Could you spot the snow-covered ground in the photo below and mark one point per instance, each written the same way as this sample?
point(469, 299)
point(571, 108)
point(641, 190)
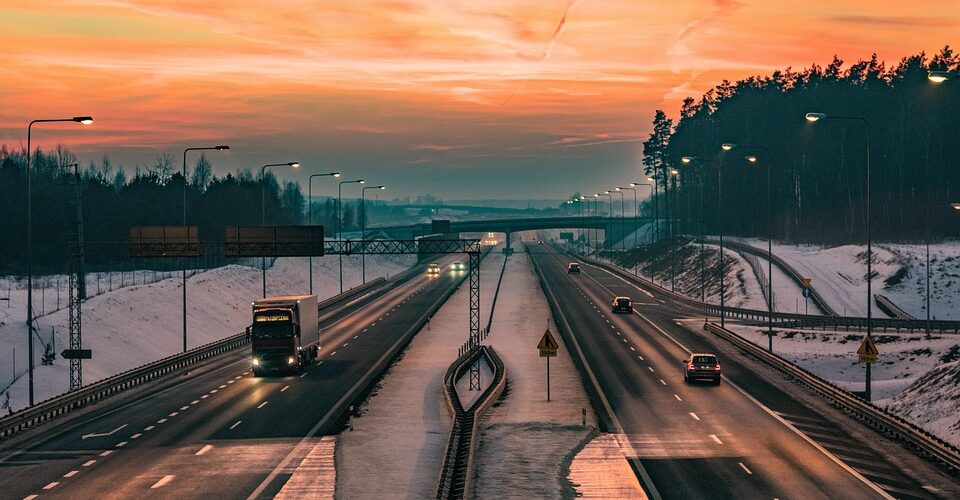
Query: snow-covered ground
point(915, 377)
point(138, 324)
point(401, 436)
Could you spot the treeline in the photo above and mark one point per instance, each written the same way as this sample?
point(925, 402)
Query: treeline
point(112, 203)
point(817, 170)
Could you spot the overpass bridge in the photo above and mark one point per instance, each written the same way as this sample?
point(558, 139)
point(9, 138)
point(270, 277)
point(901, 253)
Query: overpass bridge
point(614, 229)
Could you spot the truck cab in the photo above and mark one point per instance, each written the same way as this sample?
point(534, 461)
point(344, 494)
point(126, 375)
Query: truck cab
point(284, 336)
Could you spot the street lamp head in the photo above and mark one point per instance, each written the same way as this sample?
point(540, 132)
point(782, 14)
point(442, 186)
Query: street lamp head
point(685, 159)
point(362, 181)
point(583, 198)
point(941, 76)
point(727, 146)
point(221, 148)
point(813, 117)
point(674, 171)
point(86, 120)
point(956, 206)
point(618, 188)
point(381, 188)
point(335, 174)
point(294, 164)
point(596, 195)
point(751, 158)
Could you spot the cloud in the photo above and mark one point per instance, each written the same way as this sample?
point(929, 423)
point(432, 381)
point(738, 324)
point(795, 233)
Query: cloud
point(896, 21)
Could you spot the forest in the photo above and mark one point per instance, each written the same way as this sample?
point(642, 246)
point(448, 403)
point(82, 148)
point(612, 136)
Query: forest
point(906, 125)
point(112, 203)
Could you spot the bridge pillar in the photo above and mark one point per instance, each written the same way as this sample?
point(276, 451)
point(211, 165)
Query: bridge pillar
point(507, 248)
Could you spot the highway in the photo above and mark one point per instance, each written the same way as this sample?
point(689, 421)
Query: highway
point(217, 431)
point(741, 439)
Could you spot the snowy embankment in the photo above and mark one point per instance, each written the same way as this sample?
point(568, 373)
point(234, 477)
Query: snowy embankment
point(395, 448)
point(131, 326)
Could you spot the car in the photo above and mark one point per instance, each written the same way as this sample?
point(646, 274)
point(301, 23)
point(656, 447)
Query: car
point(456, 266)
point(702, 366)
point(622, 304)
point(573, 268)
point(433, 269)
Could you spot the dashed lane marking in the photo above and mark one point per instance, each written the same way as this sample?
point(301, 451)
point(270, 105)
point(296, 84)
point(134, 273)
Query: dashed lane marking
point(182, 408)
point(195, 401)
point(106, 453)
point(162, 420)
point(231, 381)
point(285, 388)
point(237, 377)
point(662, 382)
point(205, 396)
point(632, 349)
point(745, 469)
point(345, 344)
point(262, 405)
point(30, 497)
point(715, 439)
point(136, 436)
point(51, 485)
point(203, 450)
point(304, 374)
point(650, 368)
point(88, 463)
point(121, 444)
point(71, 473)
point(678, 397)
point(333, 353)
point(149, 428)
point(163, 481)
point(174, 414)
point(222, 386)
point(214, 391)
point(695, 417)
point(234, 426)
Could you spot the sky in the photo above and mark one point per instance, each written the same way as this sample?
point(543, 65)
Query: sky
point(526, 99)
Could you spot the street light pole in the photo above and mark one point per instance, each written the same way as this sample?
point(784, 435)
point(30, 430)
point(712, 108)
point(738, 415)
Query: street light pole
point(363, 228)
point(84, 120)
point(184, 222)
point(814, 117)
point(609, 215)
point(263, 211)
point(623, 226)
point(310, 215)
point(719, 164)
point(340, 220)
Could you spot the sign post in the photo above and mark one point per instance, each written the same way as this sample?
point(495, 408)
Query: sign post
point(548, 349)
point(868, 353)
point(806, 294)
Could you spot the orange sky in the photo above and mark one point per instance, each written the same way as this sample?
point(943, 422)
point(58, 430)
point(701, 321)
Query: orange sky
point(401, 91)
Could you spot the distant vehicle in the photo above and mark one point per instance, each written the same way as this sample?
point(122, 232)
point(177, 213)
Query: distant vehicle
point(285, 334)
point(456, 266)
point(622, 304)
point(540, 242)
point(701, 366)
point(573, 268)
point(433, 269)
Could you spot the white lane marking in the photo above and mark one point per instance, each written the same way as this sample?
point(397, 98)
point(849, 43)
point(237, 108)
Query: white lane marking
point(745, 469)
point(222, 386)
point(678, 323)
point(231, 381)
point(174, 414)
point(715, 438)
point(71, 473)
point(88, 463)
point(607, 320)
point(237, 377)
point(650, 368)
point(632, 349)
point(164, 480)
point(262, 405)
point(624, 340)
point(214, 391)
point(106, 453)
point(101, 434)
point(234, 426)
point(30, 497)
point(364, 330)
point(678, 397)
point(355, 337)
point(195, 401)
point(203, 450)
point(662, 382)
point(51, 485)
point(182, 408)
point(345, 344)
point(135, 436)
point(121, 444)
point(333, 353)
point(304, 374)
point(244, 373)
point(641, 357)
point(695, 417)
point(285, 388)
point(149, 428)
point(205, 396)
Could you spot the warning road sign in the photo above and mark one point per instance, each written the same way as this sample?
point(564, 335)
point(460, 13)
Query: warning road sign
point(806, 282)
point(548, 345)
point(868, 350)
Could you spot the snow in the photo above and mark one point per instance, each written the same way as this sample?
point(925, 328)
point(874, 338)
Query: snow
point(909, 366)
point(600, 471)
point(402, 433)
point(134, 325)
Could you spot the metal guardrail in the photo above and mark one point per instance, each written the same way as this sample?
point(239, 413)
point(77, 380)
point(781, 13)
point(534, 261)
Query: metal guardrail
point(784, 320)
point(457, 471)
point(65, 403)
point(351, 293)
point(783, 265)
point(886, 305)
point(879, 419)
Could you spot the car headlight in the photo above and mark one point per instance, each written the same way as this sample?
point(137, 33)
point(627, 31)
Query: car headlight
point(256, 362)
point(290, 360)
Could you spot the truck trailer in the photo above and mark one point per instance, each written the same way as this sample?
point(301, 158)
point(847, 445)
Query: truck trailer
point(285, 334)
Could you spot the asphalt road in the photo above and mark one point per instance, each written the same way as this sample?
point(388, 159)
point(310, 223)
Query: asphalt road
point(218, 432)
point(746, 438)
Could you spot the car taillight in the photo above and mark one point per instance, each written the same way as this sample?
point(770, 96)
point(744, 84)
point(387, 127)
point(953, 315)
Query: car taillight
point(690, 366)
point(717, 367)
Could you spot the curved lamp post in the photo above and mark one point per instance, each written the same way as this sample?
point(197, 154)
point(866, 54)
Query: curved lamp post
point(84, 120)
point(263, 211)
point(363, 228)
point(719, 164)
point(340, 220)
point(310, 214)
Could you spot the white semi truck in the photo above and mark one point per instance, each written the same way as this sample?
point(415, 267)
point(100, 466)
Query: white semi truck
point(285, 334)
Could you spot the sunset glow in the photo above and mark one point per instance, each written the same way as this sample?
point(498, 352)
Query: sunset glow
point(385, 87)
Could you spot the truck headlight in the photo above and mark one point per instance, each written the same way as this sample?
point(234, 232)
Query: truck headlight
point(290, 360)
point(256, 362)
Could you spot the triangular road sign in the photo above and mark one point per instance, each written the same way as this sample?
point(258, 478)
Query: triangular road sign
point(547, 341)
point(868, 347)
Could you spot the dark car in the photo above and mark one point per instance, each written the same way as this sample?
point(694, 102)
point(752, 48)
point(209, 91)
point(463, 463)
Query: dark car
point(573, 268)
point(701, 366)
point(622, 305)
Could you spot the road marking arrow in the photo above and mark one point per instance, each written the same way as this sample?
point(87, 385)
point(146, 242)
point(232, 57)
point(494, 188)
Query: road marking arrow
point(101, 434)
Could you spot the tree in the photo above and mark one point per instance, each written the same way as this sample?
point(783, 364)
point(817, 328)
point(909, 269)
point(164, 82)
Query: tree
point(202, 174)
